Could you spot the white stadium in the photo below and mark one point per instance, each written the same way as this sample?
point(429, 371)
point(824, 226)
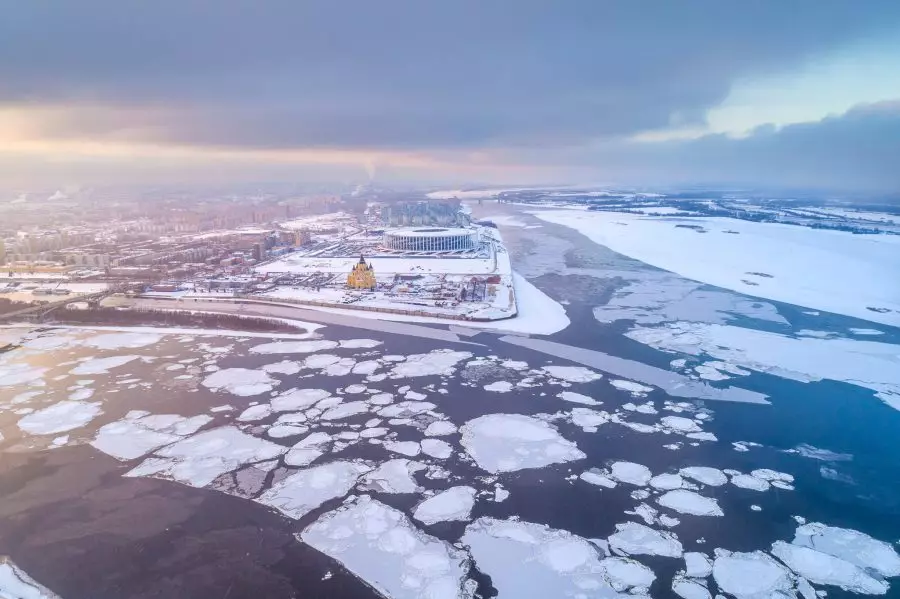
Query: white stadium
point(430, 239)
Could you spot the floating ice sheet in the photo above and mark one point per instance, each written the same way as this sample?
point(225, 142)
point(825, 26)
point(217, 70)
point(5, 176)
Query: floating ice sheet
point(509, 442)
point(300, 493)
point(198, 460)
point(383, 548)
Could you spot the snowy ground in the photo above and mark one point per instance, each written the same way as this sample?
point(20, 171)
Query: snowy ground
point(827, 270)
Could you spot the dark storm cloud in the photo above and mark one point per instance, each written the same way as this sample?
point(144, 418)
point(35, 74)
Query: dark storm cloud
point(858, 150)
point(402, 74)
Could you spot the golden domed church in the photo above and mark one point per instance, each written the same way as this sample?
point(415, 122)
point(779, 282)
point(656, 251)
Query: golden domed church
point(362, 276)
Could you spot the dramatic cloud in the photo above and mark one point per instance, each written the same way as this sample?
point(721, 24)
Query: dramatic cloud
point(401, 76)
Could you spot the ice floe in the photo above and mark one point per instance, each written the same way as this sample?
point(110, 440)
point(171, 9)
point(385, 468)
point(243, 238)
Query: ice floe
point(240, 381)
point(382, 547)
point(200, 459)
point(253, 413)
point(454, 503)
point(101, 365)
point(440, 362)
point(393, 476)
point(298, 399)
point(509, 442)
point(689, 502)
point(631, 473)
point(525, 559)
point(135, 436)
point(573, 397)
point(60, 417)
point(689, 589)
point(697, 565)
point(345, 410)
point(304, 491)
point(667, 482)
point(573, 374)
point(129, 340)
point(440, 428)
point(596, 477)
point(293, 347)
point(632, 538)
point(753, 575)
point(283, 367)
point(436, 448)
point(822, 568)
point(499, 387)
point(359, 343)
point(746, 481)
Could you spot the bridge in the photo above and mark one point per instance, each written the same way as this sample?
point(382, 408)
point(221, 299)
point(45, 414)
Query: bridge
point(39, 311)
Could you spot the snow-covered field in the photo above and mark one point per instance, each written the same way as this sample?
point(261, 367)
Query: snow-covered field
point(827, 270)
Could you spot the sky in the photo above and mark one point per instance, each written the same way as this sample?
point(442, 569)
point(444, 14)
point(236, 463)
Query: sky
point(798, 93)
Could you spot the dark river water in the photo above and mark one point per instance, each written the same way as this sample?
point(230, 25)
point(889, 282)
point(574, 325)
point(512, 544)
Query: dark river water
point(71, 520)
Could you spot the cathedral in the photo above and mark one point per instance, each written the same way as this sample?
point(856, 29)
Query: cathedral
point(362, 276)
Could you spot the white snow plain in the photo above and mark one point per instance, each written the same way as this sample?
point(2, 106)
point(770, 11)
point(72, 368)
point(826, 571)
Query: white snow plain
point(510, 442)
point(382, 547)
point(827, 270)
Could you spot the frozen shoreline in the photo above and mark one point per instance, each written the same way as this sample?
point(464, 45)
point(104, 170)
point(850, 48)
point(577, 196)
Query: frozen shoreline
point(833, 271)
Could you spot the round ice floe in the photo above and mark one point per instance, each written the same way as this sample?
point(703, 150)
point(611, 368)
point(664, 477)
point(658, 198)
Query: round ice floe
point(667, 482)
point(437, 448)
point(680, 424)
point(745, 481)
point(509, 442)
point(573, 397)
point(772, 475)
point(440, 428)
point(499, 387)
point(631, 473)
